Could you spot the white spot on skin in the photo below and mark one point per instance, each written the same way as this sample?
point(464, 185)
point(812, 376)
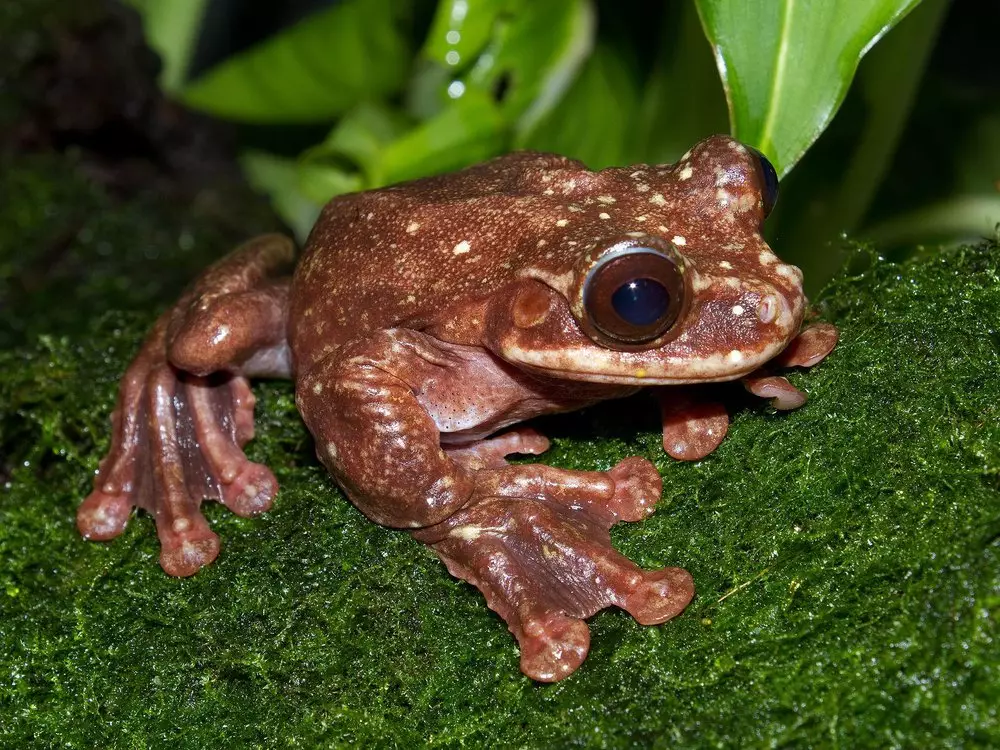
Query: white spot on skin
point(738, 310)
point(181, 525)
point(640, 218)
point(413, 227)
point(331, 450)
point(221, 334)
point(658, 199)
point(317, 388)
point(541, 243)
point(734, 357)
point(642, 187)
point(723, 197)
point(562, 222)
point(549, 191)
point(685, 174)
point(726, 264)
point(766, 257)
point(679, 240)
point(461, 247)
point(603, 215)
point(411, 299)
point(606, 199)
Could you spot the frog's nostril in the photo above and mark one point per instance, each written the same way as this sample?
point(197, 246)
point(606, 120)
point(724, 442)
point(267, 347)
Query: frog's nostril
point(768, 309)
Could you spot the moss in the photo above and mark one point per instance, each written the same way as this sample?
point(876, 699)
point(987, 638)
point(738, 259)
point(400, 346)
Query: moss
point(846, 556)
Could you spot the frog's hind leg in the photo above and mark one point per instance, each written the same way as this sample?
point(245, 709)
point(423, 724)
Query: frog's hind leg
point(543, 558)
point(185, 409)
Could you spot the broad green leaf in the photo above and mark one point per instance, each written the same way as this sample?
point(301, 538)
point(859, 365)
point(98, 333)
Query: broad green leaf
point(312, 71)
point(469, 131)
point(522, 53)
point(280, 179)
point(831, 190)
point(362, 153)
point(171, 28)
point(585, 126)
point(461, 30)
point(786, 65)
point(359, 141)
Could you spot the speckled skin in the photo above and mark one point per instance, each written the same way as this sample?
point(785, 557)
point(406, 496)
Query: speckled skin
point(425, 317)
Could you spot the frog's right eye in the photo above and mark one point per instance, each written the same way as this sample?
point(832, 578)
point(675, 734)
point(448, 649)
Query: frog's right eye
point(768, 182)
point(635, 296)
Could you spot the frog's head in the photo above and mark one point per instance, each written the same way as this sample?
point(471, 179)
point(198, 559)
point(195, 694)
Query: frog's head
point(699, 298)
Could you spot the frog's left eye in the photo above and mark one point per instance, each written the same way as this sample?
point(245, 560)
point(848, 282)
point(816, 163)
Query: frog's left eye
point(768, 182)
point(634, 297)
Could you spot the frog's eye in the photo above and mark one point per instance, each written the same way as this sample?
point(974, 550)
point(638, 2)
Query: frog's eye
point(634, 297)
point(768, 182)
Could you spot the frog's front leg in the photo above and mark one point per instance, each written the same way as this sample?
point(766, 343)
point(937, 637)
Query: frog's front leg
point(694, 424)
point(185, 410)
point(534, 539)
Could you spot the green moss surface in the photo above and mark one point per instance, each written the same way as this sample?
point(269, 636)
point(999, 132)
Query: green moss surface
point(847, 558)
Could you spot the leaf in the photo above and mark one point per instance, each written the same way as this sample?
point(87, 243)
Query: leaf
point(312, 71)
point(359, 141)
point(171, 29)
point(832, 188)
point(786, 65)
point(523, 54)
point(364, 150)
point(469, 131)
point(280, 179)
point(584, 126)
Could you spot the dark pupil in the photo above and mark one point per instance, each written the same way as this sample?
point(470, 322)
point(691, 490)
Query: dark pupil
point(770, 183)
point(641, 302)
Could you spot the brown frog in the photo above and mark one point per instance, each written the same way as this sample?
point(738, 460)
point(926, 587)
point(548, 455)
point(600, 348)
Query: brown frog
point(423, 319)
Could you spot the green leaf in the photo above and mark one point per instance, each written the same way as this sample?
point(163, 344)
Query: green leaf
point(469, 131)
point(171, 29)
point(312, 71)
point(523, 54)
point(832, 188)
point(369, 148)
point(786, 65)
point(281, 180)
point(584, 126)
point(359, 141)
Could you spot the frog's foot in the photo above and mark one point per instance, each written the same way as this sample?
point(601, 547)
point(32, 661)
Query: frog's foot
point(535, 542)
point(177, 439)
point(807, 349)
point(693, 426)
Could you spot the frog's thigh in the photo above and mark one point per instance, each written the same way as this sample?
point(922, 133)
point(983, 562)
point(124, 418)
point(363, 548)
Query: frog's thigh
point(235, 316)
point(374, 435)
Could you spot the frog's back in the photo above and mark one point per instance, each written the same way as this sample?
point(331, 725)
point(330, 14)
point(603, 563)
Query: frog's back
point(403, 254)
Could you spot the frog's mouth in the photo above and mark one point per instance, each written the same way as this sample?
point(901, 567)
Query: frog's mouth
point(597, 365)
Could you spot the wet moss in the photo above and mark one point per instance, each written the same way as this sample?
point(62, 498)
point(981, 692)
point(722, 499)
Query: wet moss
point(847, 557)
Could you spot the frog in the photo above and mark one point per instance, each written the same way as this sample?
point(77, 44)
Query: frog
point(426, 322)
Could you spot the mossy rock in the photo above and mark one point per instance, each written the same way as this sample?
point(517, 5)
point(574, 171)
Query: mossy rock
point(847, 559)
